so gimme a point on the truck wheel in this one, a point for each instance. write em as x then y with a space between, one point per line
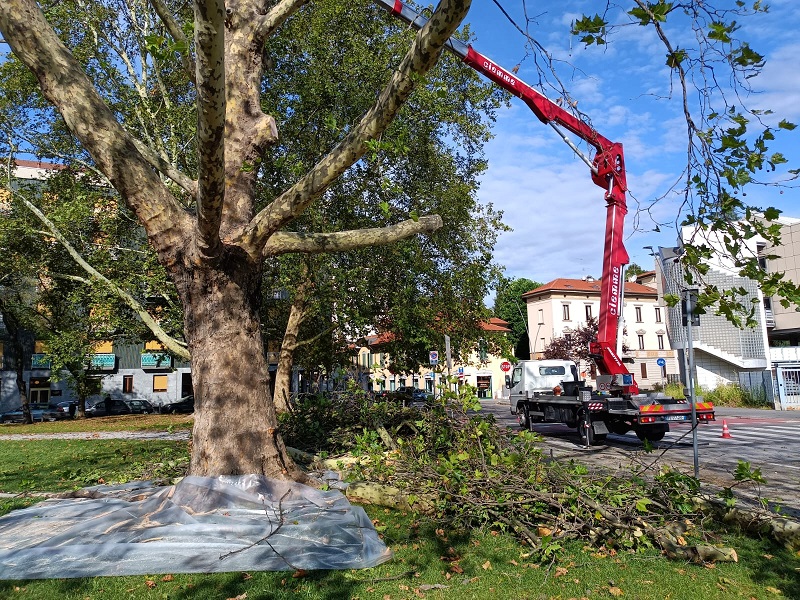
618 428
585 430
653 436
523 418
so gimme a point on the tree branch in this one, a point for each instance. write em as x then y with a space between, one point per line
176 32
209 37
165 167
173 345
419 59
277 16
285 242
64 83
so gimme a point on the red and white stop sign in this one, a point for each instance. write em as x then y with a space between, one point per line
505 366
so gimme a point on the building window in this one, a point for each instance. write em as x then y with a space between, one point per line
541 316
565 312
159 383
644 370
588 312
641 342
658 314
660 342
638 314
127 384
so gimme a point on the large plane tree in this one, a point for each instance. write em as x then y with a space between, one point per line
214 246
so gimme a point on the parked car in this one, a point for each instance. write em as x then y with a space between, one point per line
140 407
39 412
66 409
108 407
184 405
410 394
406 395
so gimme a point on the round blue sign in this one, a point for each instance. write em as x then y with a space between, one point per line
661 362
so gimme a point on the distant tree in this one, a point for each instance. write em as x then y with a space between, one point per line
509 306
573 344
633 269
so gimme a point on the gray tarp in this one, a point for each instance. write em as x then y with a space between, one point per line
199 525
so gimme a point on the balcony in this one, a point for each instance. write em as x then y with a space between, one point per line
103 362
40 361
769 318
156 360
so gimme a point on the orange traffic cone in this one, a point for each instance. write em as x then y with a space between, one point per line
726 434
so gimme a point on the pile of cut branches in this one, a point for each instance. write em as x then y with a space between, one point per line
457 466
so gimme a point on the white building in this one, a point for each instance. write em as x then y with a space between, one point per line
565 304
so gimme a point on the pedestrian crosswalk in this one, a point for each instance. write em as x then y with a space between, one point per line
740 434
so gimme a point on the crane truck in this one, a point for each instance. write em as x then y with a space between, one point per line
551 391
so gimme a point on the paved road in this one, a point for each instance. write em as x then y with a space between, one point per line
769 440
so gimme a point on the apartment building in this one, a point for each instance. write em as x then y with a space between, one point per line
567 304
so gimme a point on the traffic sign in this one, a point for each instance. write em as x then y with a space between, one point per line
505 366
661 362
434 357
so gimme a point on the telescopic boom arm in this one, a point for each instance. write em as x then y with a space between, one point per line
607 169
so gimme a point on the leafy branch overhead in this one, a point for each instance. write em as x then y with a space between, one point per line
728 149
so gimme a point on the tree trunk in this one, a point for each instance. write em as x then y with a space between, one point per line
297 314
235 429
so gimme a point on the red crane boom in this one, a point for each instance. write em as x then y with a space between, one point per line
607 171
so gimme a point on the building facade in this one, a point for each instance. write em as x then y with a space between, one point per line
568 304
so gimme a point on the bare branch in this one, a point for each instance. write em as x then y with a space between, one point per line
419 59
277 16
209 36
185 183
176 32
176 347
285 242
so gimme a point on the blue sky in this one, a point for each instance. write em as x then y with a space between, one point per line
545 191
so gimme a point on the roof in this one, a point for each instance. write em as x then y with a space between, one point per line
497 325
588 286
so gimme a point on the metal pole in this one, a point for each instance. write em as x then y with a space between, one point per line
690 378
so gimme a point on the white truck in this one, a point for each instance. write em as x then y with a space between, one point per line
550 391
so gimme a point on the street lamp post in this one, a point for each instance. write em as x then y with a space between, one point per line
689 318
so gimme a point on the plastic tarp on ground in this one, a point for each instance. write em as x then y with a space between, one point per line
199 525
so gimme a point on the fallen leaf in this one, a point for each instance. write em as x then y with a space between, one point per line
773 590
681 541
150 583
239 597
544 531
513 562
167 578
615 591
487 566
561 571
433 586
299 573
768 556
456 569
404 587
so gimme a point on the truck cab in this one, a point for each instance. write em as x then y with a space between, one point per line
535 377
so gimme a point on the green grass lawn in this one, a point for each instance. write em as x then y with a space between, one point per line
430 560
116 423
